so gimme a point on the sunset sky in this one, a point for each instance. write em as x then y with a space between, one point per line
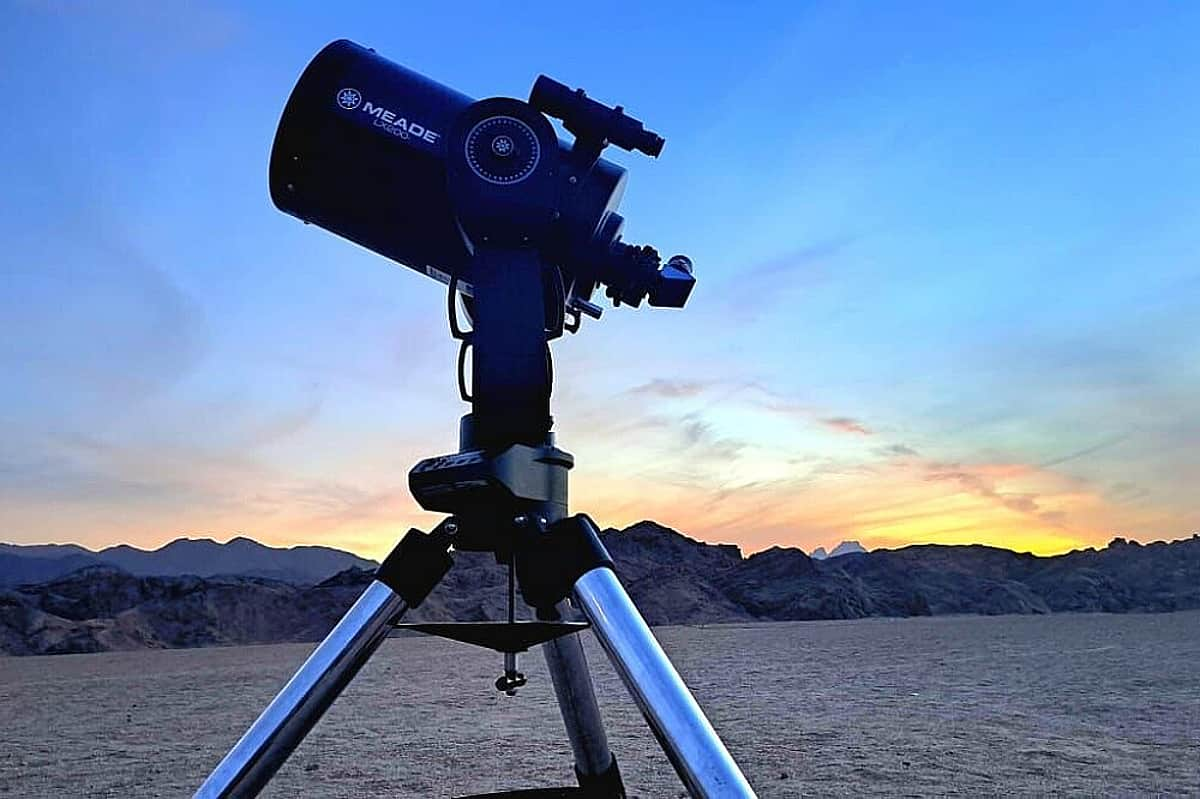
949 264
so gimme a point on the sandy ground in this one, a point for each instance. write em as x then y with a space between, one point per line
1087 704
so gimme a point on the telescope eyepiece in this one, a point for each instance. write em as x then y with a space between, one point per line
673 284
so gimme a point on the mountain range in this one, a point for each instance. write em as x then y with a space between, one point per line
201 557
672 578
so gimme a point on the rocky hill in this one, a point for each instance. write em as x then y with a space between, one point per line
673 579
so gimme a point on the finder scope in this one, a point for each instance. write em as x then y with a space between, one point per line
396 162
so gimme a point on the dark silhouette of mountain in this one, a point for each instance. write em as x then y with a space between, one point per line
674 580
44 550
201 557
17 569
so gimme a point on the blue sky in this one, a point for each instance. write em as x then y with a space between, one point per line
948 261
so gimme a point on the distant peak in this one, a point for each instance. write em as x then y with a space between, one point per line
244 541
847 548
844 548
785 552
651 526
184 541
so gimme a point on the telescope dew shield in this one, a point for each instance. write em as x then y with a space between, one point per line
360 150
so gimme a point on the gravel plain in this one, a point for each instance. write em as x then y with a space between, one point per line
1053 705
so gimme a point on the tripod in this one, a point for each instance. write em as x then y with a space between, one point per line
518 208
510 500
514 503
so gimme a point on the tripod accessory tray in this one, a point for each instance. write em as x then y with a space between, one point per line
502 636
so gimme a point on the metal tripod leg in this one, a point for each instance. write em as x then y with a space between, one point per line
691 744
292 713
405 578
594 762
567 557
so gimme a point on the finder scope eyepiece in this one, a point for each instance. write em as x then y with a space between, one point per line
426 176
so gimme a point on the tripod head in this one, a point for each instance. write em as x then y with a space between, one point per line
416 172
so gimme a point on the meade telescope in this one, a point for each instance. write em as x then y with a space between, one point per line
523 229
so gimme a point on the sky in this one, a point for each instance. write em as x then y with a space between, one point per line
948 259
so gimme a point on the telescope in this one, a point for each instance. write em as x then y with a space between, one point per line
362 151
522 228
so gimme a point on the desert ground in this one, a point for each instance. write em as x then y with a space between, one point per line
1065 704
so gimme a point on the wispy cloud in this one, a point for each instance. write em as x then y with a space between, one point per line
1124 491
846 424
1061 459
975 481
672 389
805 264
701 441
757 288
808 412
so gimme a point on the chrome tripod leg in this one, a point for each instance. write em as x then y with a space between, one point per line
403 581
698 755
580 711
292 713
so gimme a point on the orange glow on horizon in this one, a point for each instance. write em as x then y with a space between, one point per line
893 504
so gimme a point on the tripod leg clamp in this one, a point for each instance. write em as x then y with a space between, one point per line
549 561
417 564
